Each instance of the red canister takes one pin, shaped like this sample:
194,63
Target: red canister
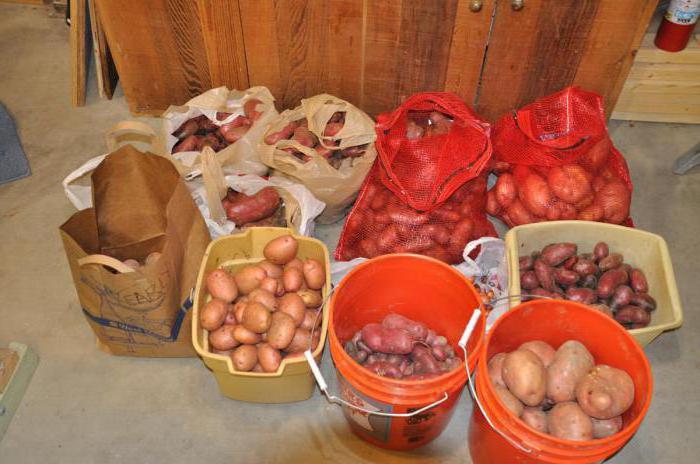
677,25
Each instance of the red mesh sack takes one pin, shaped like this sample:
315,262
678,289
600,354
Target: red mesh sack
555,160
426,192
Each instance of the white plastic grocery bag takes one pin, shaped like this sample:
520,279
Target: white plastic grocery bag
77,186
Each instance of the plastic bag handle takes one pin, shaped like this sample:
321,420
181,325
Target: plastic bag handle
104,260
126,130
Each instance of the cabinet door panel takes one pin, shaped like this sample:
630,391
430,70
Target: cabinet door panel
551,44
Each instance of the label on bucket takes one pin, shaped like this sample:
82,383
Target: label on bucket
375,426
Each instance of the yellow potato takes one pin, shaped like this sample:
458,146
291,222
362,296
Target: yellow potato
213,314
281,250
314,274
525,376
249,278
268,357
256,317
293,305
244,358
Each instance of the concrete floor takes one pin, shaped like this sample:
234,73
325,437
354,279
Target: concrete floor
84,406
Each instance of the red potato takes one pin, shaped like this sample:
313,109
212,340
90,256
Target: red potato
152,258
605,392
311,298
230,317
415,329
528,280
610,280
213,314
569,263
565,277
281,331
243,209
568,421
535,418
632,317
239,307
445,215
332,128
187,144
509,400
585,202
638,281
283,134
251,109
568,212
644,301
425,362
611,261
245,336
542,349
403,215
535,195
505,189
367,248
312,319
606,427
305,137
603,308
593,212
414,244
614,198
493,207
354,152
232,134
525,376
598,154
516,214
581,295
495,369
621,297
570,182
314,274
244,358
554,211
293,305
222,285
556,253
272,285
601,250
388,238
526,263
269,357
585,267
545,275
302,341
385,340
249,278
571,363
414,131
187,128
264,297
256,317
460,235
281,250
222,339
296,263
292,279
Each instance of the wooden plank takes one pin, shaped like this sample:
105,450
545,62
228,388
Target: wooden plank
159,50
104,64
11,397
408,49
300,48
80,43
551,44
642,87
28,2
657,117
648,53
223,42
668,72
467,50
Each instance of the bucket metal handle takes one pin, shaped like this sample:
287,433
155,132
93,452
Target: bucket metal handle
336,399
463,344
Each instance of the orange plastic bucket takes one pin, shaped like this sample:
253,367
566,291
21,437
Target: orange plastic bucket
554,321
422,289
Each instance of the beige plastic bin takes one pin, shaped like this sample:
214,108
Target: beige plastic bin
641,249
293,381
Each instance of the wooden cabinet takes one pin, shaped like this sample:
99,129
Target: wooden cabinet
373,53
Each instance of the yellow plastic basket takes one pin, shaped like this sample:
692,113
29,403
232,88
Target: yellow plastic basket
641,249
293,381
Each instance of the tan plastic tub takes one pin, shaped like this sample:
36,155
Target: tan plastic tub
293,381
641,249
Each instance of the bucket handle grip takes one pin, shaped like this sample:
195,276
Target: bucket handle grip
463,344
335,399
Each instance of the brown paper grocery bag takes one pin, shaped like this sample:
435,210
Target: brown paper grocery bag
143,312
336,187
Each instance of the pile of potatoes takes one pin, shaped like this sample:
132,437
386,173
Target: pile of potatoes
267,311
199,132
562,392
422,124
401,348
600,279
327,145
136,265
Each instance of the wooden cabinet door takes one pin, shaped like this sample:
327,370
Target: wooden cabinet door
550,44
372,53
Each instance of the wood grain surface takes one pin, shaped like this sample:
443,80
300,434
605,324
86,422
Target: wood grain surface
104,64
80,47
551,44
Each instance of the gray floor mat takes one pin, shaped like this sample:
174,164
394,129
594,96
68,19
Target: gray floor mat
13,162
